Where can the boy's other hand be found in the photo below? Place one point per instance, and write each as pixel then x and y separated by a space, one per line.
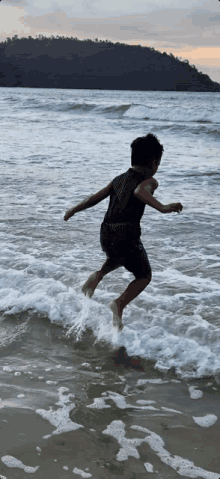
pixel 172 207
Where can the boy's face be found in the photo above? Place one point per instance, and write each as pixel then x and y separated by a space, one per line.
pixel 155 165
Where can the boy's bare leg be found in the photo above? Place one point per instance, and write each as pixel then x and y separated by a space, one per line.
pixel 94 278
pixel 131 292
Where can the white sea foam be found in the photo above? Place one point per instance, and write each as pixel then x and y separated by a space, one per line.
pixel 187 343
pixel 195 393
pixel 143 402
pixel 206 421
pixel 171 410
pixel 98 403
pixel 81 472
pixel 190 345
pixel 175 114
pixel 21 292
pixel 11 461
pixel 128 447
pixel 7 369
pixel 79 324
pixel 142 382
pixel 148 467
pixel 120 401
pixel 184 467
pixel 60 417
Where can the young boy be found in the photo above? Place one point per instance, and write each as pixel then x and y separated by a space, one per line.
pixel 120 230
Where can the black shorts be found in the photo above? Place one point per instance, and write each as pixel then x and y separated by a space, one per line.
pixel 126 249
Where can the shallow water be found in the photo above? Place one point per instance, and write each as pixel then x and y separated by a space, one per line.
pixel 59 146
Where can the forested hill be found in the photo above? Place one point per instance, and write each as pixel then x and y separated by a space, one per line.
pixel 60 62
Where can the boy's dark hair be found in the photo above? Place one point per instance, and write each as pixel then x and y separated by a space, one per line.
pixel 144 149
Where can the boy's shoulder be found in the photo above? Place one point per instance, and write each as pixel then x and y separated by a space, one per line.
pixel 150 181
pixel 150 184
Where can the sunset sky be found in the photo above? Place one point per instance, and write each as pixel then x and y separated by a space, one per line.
pixel 191 32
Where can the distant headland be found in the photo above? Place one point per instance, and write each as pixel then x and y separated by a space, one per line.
pixel 63 62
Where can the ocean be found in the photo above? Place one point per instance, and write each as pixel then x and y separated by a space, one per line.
pixel 78 398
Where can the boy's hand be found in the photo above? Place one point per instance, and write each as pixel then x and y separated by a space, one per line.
pixel 172 207
pixel 68 214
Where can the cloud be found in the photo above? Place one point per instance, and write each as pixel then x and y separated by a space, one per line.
pixel 168 27
pixel 117 28
pixel 12 22
pixel 106 8
pixel 195 23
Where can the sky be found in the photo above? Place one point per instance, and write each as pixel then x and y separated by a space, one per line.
pixel 190 29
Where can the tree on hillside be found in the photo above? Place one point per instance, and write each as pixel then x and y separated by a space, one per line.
pixel 67 62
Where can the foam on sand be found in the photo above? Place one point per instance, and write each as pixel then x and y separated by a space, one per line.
pixel 60 417
pixel 206 421
pixel 128 446
pixel 194 393
pixel 170 410
pixel 120 401
pixel 11 461
pixel 81 473
pixel 184 467
pixel 143 402
pixel 148 467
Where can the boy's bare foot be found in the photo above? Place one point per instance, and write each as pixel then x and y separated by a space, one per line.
pixel 90 285
pixel 117 316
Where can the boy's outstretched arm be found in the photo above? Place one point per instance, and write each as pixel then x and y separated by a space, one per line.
pixel 145 191
pixel 89 202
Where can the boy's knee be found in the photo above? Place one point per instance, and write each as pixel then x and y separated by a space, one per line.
pixel 146 279
pixel 148 276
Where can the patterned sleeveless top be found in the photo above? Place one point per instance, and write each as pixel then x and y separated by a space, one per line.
pixel 124 208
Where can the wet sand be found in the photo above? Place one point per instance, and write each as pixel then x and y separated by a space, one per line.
pixel 105 415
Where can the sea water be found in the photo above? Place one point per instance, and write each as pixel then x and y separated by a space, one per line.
pixel 63 368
